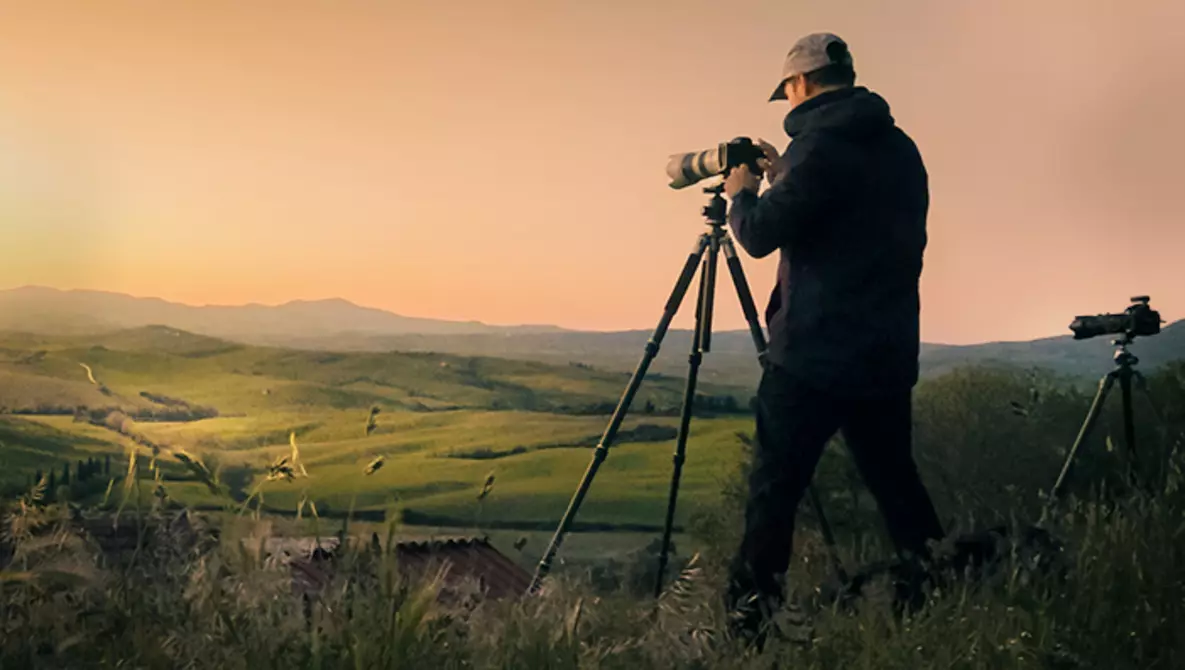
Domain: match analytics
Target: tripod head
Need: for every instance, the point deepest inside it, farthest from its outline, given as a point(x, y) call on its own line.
point(716, 211)
point(1124, 358)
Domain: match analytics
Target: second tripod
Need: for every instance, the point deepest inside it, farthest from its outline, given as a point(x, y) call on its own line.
point(1124, 373)
point(704, 256)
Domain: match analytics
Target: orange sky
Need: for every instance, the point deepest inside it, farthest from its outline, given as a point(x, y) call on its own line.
point(503, 161)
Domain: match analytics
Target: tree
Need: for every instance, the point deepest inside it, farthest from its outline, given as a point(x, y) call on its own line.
point(53, 482)
point(107, 466)
point(66, 473)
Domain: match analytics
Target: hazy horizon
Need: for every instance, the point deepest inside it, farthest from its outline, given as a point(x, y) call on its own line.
point(504, 163)
point(644, 328)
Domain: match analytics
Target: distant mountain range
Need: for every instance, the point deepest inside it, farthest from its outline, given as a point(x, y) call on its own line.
point(343, 326)
point(47, 310)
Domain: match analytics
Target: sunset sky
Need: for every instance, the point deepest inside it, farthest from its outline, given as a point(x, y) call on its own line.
point(503, 161)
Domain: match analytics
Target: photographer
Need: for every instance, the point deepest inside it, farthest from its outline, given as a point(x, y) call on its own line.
point(846, 208)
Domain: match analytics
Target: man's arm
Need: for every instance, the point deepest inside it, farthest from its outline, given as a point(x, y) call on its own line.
point(789, 209)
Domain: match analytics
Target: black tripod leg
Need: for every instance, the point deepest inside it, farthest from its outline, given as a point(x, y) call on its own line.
point(828, 536)
point(1142, 384)
point(602, 450)
point(1129, 425)
point(1091, 417)
point(746, 298)
point(708, 287)
point(703, 312)
point(750, 311)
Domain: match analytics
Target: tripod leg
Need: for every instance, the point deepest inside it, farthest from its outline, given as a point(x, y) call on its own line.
point(703, 312)
point(750, 311)
point(1129, 424)
point(627, 397)
point(828, 536)
point(746, 298)
point(1142, 384)
point(708, 285)
point(1158, 418)
point(1091, 417)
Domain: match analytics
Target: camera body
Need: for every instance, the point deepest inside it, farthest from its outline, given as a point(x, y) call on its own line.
point(687, 169)
point(1137, 320)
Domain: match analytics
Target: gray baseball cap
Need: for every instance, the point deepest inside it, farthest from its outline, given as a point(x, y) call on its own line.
point(809, 54)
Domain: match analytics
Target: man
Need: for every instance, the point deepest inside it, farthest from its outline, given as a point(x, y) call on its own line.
point(846, 208)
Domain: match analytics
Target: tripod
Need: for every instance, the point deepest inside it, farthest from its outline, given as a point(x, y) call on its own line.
point(711, 242)
point(1124, 373)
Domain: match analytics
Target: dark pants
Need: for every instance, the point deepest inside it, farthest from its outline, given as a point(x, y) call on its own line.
point(794, 425)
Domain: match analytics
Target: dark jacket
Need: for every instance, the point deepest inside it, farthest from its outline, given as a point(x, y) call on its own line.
point(848, 214)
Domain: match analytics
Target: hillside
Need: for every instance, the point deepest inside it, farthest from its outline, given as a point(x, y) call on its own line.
point(27, 445)
point(336, 325)
point(1064, 355)
point(732, 360)
point(443, 423)
point(118, 368)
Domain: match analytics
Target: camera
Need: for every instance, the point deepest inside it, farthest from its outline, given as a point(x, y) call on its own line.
point(686, 169)
point(1137, 320)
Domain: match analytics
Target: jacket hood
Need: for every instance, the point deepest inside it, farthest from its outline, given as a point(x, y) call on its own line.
point(853, 111)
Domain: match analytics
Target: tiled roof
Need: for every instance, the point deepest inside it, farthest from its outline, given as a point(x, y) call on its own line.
point(469, 558)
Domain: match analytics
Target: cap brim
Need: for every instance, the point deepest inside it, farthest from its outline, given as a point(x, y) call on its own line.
point(779, 92)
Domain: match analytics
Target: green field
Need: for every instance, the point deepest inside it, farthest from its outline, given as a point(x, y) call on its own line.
point(445, 423)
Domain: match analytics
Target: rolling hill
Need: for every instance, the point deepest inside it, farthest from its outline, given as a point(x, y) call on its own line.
point(126, 368)
point(444, 422)
point(339, 326)
point(732, 360)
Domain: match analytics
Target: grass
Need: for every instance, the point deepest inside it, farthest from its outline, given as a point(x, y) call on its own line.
point(29, 445)
point(630, 489)
point(182, 605)
point(434, 410)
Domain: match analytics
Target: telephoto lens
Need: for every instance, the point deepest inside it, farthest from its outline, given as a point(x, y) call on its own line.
point(1138, 320)
point(687, 169)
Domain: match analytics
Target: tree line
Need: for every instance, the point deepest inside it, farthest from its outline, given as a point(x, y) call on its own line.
point(66, 483)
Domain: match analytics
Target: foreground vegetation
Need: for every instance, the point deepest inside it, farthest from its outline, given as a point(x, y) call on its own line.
point(989, 441)
point(178, 606)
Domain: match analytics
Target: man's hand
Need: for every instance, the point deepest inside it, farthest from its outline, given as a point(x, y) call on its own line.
point(741, 179)
point(770, 163)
